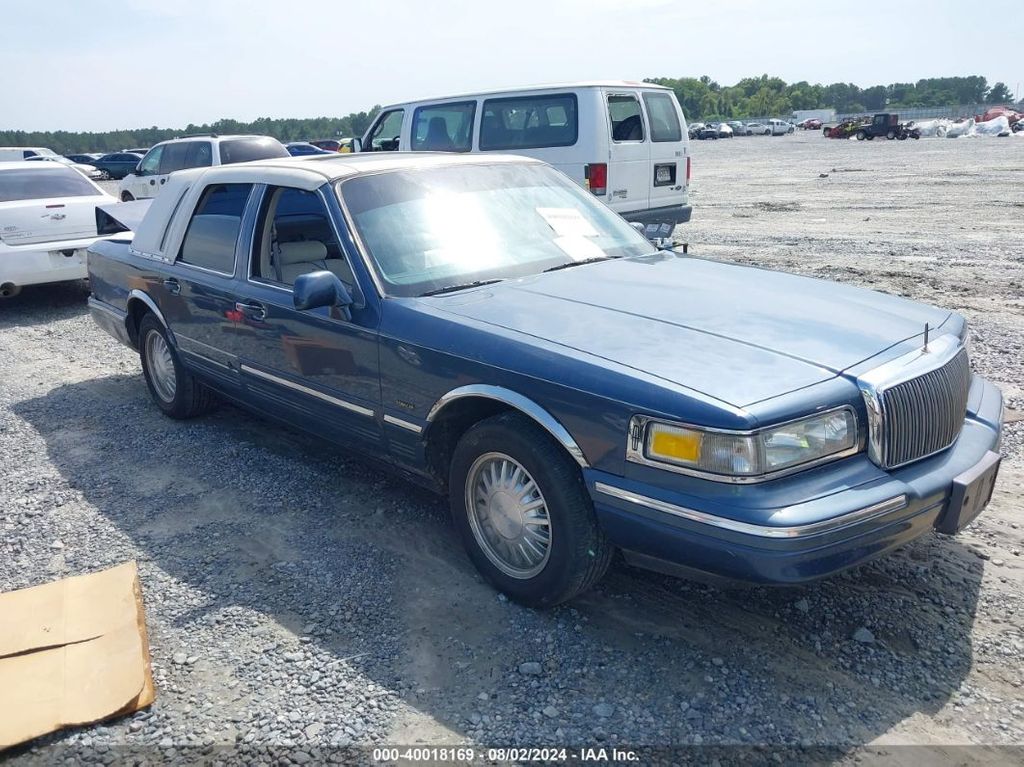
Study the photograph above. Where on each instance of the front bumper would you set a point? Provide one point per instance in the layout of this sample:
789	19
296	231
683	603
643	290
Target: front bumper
671	532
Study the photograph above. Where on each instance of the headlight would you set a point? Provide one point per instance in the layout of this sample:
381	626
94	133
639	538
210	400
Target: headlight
746	456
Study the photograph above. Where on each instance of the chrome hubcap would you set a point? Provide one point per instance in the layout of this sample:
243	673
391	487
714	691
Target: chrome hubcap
161	366
508	515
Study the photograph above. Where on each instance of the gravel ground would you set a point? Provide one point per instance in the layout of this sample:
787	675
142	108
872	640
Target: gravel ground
299	598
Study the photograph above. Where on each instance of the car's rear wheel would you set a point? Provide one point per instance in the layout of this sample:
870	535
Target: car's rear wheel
890	135
174	390
126	197
523	513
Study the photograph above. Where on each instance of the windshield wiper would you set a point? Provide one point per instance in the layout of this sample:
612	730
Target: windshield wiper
593	260
461	286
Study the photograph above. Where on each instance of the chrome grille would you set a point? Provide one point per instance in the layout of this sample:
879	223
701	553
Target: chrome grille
923	415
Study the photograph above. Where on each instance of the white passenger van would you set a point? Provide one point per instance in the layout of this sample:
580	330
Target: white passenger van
19	153
625	141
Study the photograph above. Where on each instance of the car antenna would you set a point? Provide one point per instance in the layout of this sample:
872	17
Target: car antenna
925	337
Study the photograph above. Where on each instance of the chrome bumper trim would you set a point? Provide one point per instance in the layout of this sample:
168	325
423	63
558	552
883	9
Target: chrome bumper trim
763	531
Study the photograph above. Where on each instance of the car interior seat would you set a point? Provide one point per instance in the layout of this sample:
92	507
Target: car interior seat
437	138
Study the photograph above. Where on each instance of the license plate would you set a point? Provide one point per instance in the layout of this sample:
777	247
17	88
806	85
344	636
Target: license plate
663	176
971	493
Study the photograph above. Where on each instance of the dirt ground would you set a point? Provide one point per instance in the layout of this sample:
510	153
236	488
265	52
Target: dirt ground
298	598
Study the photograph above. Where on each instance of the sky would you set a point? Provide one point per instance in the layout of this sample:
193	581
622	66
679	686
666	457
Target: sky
107	64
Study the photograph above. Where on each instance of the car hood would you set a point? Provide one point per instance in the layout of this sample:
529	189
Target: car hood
739	334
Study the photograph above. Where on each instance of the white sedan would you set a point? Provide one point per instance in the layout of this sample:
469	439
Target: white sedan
47	221
88	170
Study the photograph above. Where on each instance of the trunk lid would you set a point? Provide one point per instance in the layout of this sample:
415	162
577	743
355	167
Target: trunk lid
31	222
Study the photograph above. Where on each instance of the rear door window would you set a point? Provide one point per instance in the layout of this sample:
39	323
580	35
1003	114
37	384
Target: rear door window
42	184
248	149
443	127
200	154
529	122
664	120
213	231
627	124
386	132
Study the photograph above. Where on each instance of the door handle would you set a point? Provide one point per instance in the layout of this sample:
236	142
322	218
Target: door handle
152	182
173	286
255	311
163	180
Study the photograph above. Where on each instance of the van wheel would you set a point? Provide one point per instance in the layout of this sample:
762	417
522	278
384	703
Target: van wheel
174	390
523	513
126	197
861	135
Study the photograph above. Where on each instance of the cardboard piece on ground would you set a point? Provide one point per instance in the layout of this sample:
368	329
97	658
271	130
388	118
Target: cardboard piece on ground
72	652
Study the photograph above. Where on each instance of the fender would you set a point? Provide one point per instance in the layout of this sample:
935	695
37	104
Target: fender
519	402
138	295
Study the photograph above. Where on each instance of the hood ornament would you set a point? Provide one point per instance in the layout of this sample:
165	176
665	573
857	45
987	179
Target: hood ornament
925	349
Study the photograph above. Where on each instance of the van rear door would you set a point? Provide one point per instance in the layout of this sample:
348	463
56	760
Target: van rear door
667	178
629	153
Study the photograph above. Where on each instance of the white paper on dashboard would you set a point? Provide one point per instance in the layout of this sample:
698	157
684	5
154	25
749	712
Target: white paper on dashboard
568	222
579	248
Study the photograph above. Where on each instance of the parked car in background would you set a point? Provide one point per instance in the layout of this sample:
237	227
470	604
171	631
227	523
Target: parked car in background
758	129
117	165
84	158
725	130
16	153
485	325
87	170
739	129
624	141
780	127
194	152
47	220
694	130
811	123
343	145
303	148
713	131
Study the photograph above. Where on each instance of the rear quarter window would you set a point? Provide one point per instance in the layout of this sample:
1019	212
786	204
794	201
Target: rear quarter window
43	184
529	122
663	117
213	231
249	149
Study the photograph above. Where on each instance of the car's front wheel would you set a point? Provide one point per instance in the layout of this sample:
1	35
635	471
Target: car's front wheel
176	391
523	513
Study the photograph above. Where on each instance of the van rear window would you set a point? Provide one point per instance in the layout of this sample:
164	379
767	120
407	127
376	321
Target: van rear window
661	109
249	149
44	184
529	122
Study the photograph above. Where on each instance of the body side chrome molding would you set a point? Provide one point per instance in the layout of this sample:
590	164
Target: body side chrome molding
519	402
762	531
402	424
306	390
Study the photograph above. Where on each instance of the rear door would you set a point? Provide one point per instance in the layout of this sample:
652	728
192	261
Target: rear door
629	154
668	177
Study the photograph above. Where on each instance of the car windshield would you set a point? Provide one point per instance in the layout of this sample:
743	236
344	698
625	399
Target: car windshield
430	229
44	184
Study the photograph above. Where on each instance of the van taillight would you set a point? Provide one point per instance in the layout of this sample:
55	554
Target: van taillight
596	175
687	170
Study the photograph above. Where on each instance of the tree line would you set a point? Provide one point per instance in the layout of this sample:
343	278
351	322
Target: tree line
284	129
701	98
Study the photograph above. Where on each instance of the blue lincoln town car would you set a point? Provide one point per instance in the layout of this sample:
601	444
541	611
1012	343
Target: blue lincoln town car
487	327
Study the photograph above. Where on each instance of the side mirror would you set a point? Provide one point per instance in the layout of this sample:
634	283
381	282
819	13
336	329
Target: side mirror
316	289
139	170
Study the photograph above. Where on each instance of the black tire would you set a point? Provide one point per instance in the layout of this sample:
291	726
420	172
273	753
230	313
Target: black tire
579	552
902	137
861	135
190	397
890	135
126	197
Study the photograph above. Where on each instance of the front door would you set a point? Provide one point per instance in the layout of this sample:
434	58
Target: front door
629	154
143	183
319	365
